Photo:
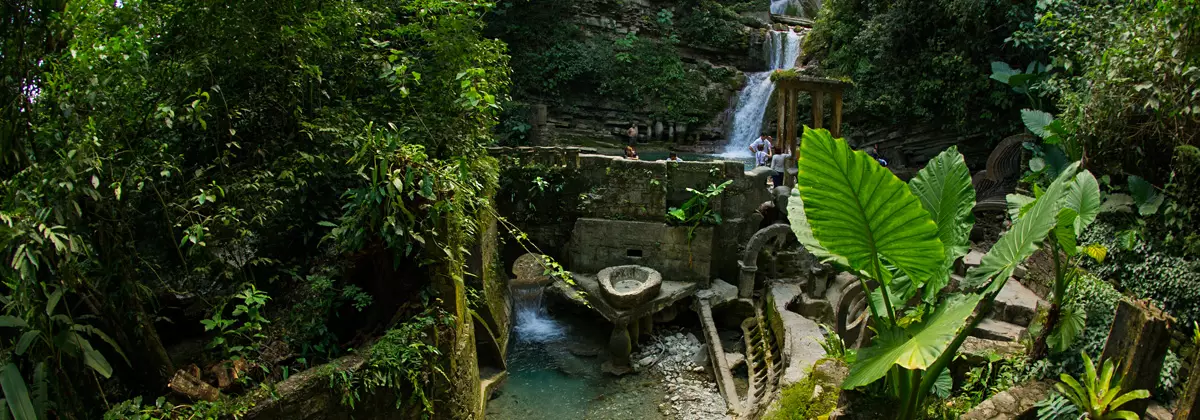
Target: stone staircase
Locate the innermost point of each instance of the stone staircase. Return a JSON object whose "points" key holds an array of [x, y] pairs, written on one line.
{"points": [[1014, 308]]}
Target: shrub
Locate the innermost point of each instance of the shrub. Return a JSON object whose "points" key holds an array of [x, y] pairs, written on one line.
{"points": [[1148, 270]]}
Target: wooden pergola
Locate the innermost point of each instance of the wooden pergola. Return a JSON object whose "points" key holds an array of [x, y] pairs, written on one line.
{"points": [[788, 86]]}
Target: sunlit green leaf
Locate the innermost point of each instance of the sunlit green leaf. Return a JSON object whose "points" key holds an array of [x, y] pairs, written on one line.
{"points": [[916, 347], [862, 212]]}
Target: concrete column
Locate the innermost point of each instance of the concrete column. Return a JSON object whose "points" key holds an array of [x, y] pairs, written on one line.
{"points": [[634, 333], [1137, 344], [619, 346], [1188, 406], [647, 328], [746, 280]]}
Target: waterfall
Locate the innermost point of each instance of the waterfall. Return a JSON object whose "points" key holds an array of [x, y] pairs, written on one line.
{"points": [[779, 7], [782, 50], [533, 324]]}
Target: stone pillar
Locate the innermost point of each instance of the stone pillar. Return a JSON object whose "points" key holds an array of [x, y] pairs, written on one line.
{"points": [[538, 133], [1137, 345], [1188, 406], [634, 333], [658, 130], [647, 328], [619, 346], [746, 280]]}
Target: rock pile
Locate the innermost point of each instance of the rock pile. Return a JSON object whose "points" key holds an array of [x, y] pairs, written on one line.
{"points": [[691, 393]]}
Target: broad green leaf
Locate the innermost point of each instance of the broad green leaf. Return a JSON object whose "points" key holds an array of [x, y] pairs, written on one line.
{"points": [[803, 231], [1036, 121], [96, 332], [916, 347], [1022, 240], [1083, 196], [1070, 326], [1137, 394], [1018, 204], [52, 300], [1145, 195], [41, 389], [26, 340], [862, 212], [1037, 164], [1001, 71], [944, 188], [16, 393], [5, 413], [944, 384], [1064, 231], [12, 321], [1117, 203], [1095, 251]]}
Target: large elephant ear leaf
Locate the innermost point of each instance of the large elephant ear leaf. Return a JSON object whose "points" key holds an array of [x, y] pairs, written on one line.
{"points": [[1083, 196], [918, 347], [1022, 240], [799, 223], [861, 212], [945, 190]]}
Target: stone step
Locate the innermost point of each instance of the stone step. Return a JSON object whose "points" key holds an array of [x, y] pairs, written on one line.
{"points": [[1017, 304], [991, 329]]}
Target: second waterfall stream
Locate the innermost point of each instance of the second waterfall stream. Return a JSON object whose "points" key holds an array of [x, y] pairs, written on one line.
{"points": [[781, 51]]}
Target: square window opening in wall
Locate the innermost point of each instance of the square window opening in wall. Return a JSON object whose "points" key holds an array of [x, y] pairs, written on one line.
{"points": [[633, 253]]}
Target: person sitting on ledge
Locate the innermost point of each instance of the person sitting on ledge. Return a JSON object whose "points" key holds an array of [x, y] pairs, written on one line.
{"points": [[673, 157]]}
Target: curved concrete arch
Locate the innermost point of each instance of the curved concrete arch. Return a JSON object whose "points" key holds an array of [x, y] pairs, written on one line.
{"points": [[748, 264]]}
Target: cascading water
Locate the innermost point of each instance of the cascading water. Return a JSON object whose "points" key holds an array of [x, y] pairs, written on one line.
{"points": [[533, 324], [780, 7], [782, 50]]}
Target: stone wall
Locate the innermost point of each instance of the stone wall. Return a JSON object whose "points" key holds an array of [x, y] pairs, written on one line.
{"points": [[598, 243], [611, 188]]}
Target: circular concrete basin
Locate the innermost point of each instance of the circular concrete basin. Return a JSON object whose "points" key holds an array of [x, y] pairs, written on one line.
{"points": [[627, 286]]}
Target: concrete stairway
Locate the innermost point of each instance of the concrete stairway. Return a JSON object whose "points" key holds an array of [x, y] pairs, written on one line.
{"points": [[763, 361]]}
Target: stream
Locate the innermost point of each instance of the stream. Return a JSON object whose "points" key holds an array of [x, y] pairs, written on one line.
{"points": [[554, 371]]}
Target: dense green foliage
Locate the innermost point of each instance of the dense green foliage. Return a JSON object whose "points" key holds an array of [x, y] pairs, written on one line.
{"points": [[556, 58], [899, 236], [919, 61], [181, 148]]}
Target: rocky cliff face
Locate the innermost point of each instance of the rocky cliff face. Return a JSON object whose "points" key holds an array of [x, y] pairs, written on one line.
{"points": [[672, 67]]}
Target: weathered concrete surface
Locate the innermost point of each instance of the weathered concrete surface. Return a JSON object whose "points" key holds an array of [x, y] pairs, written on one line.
{"points": [[992, 329], [669, 293], [627, 286], [1137, 344], [597, 244], [307, 395], [719, 294], [1017, 304], [1188, 406], [976, 351], [1012, 403], [801, 336]]}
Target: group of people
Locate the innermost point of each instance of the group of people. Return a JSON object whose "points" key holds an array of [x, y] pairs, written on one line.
{"points": [[774, 157], [631, 154]]}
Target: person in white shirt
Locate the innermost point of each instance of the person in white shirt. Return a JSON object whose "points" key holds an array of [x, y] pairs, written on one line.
{"points": [[763, 142], [779, 165], [673, 157], [761, 157]]}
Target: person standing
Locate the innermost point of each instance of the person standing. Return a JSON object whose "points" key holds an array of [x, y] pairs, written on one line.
{"points": [[779, 166], [632, 133], [761, 158], [761, 141]]}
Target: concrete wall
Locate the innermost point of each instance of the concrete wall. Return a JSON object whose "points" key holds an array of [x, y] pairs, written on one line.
{"points": [[600, 243], [615, 189]]}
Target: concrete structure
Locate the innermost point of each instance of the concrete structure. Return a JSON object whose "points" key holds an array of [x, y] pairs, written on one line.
{"points": [[598, 243], [1137, 344], [627, 286]]}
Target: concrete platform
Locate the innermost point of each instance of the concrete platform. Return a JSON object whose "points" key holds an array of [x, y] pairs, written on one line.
{"points": [[1017, 304], [671, 292]]}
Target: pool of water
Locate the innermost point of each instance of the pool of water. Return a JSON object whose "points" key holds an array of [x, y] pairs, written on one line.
{"points": [[554, 372]]}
